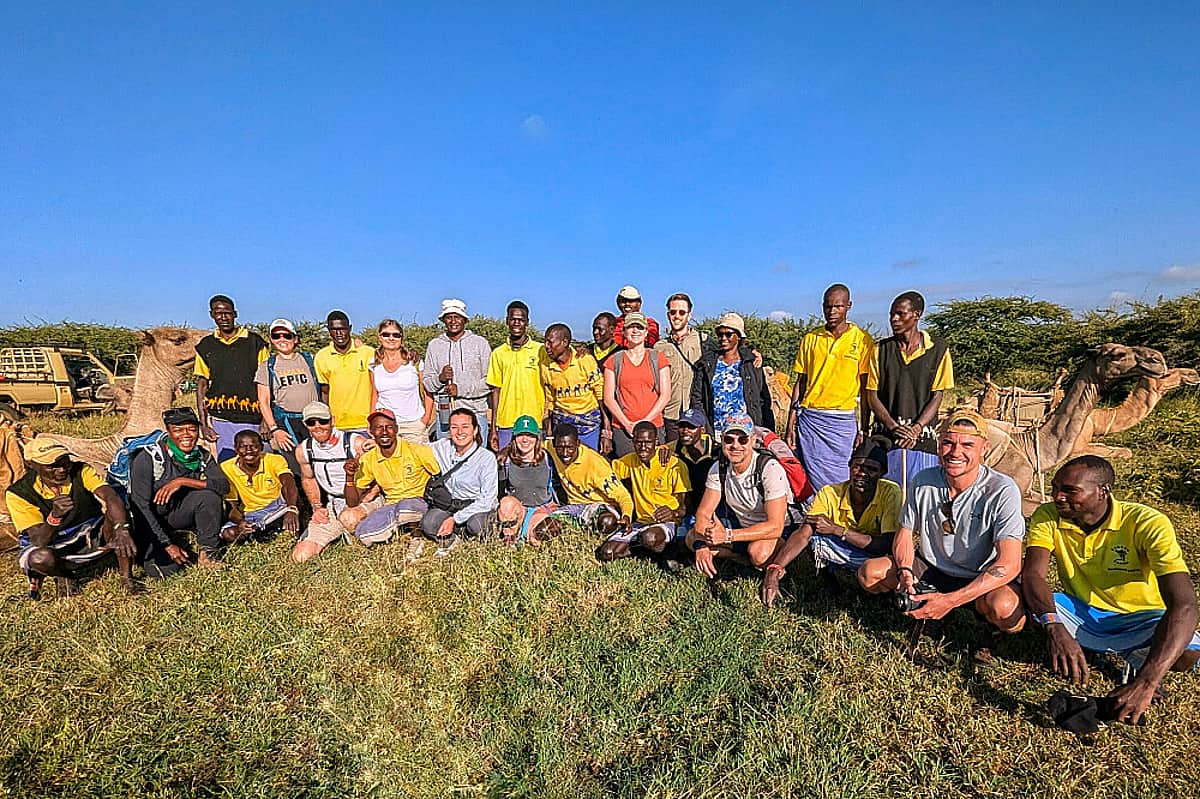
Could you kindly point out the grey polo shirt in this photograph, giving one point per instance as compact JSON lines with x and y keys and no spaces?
{"x":986,"y":513}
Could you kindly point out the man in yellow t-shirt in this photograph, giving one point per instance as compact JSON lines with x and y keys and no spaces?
{"x":400,"y":469}
{"x":831,"y":367}
{"x":1126,"y":587}
{"x":847,"y":523}
{"x":593,"y":495}
{"x":344,"y":372}
{"x":660,"y":489}
{"x":67,"y":519}
{"x":573,"y":386}
{"x":515,"y":377}
{"x":262,"y":490}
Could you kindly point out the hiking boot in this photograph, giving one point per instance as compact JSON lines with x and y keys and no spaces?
{"x":447,"y":545}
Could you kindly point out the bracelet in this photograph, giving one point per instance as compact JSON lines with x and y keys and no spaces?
{"x":904,"y":569}
{"x":843,"y":535}
{"x":121,"y":526}
{"x":728,"y":535}
{"x":775,"y":567}
{"x":53,"y":521}
{"x":1047,"y":618}
{"x":293,"y":509}
{"x":274,"y":430}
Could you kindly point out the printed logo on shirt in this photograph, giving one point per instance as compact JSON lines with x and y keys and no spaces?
{"x":1119,"y":559}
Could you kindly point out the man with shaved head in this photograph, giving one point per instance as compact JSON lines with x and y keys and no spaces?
{"x":1126,"y":587}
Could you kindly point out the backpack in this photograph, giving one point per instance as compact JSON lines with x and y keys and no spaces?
{"x":117,"y":473}
{"x":314,"y":459}
{"x":312,"y":369}
{"x":618,"y":358}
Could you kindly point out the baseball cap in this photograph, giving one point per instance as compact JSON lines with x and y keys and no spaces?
{"x":733,"y":322}
{"x":172,"y":416}
{"x":629,"y":293}
{"x":384,"y":412}
{"x":740,"y":422}
{"x":285,"y":324}
{"x":635,"y":318}
{"x":452,"y":305}
{"x":693,"y":418}
{"x":526,"y":425}
{"x":964,"y":420}
{"x":316,"y":410}
{"x":44,"y":451}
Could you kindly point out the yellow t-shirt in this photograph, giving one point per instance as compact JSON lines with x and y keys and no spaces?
{"x":655,"y":485}
{"x":590,"y":479}
{"x":833,"y":367}
{"x":259,"y":490}
{"x":881,"y":517}
{"x":201,"y":369}
{"x":349,"y":379}
{"x":577,"y":388}
{"x":25,"y":515}
{"x":403,"y":475}
{"x":518,"y":376}
{"x":1114,"y":567}
{"x":943,"y":378}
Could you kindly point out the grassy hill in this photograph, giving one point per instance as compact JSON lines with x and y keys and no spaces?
{"x":541,"y":673}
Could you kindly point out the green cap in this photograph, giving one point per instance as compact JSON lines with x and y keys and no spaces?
{"x":526,"y":425}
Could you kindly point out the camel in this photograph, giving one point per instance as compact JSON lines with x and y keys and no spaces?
{"x":1148,"y":392}
{"x":166,"y":355}
{"x":1025,"y":454}
{"x":781,"y":394}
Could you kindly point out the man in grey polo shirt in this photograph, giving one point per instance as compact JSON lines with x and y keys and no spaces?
{"x":456,"y":364}
{"x":969,"y":528}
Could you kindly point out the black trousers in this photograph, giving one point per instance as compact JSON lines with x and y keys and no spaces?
{"x":202,"y":510}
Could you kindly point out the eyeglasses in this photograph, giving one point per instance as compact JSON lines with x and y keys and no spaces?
{"x":726,"y":333}
{"x":735,"y":438}
{"x":315,"y":422}
{"x":677,"y":313}
{"x":391,"y":335}
{"x":283,"y":335}
{"x":947,"y":509}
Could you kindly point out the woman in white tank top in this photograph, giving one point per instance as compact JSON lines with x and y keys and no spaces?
{"x":396,"y":384}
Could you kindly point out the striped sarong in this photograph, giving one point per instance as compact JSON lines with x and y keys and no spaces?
{"x":825,"y":440}
{"x":588,"y":425}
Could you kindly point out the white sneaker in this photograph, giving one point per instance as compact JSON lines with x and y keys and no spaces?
{"x":416,"y":546}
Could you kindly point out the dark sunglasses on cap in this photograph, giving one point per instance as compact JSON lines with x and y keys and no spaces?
{"x":283,"y":334}
{"x":735,"y":438}
{"x":315,"y":422}
{"x":391,"y":335}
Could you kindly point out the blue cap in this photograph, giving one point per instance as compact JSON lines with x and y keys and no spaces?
{"x":739,"y":422}
{"x":693,"y":418}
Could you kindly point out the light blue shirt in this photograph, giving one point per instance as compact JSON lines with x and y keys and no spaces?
{"x":477,"y":480}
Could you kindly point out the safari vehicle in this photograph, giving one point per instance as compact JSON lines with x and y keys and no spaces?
{"x":64,"y":379}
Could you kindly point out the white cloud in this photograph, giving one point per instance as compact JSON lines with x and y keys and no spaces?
{"x":1181,"y":274}
{"x":779,"y":316}
{"x":534,"y":127}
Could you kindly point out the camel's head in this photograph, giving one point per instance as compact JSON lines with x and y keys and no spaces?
{"x":1176,"y":378}
{"x":170,"y":346}
{"x":1116,"y":361}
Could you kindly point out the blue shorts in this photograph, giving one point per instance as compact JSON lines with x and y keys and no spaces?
{"x":1126,"y":634}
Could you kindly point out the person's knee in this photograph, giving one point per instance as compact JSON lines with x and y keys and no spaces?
{"x":655,"y":538}
{"x":510,"y":509}
{"x":760,"y":552}
{"x":873,"y":575}
{"x":43,"y":561}
{"x":1003,"y":609}
{"x":430,"y":523}
{"x":349,"y":518}
{"x":606,"y":522}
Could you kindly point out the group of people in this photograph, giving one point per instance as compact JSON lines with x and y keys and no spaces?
{"x":659,"y":440}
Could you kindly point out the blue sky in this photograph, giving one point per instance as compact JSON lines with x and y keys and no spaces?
{"x":380,"y":157}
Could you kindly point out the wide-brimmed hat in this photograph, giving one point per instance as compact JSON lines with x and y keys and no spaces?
{"x":733,"y":321}
{"x":629,"y":293}
{"x":454,"y":306}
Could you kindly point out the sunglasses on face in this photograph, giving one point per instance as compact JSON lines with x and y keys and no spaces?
{"x":283,"y":335}
{"x":736,"y":438}
{"x":391,"y":335}
{"x":676,"y":313}
{"x":315,"y":422}
{"x":726,"y":333}
{"x":947,"y":509}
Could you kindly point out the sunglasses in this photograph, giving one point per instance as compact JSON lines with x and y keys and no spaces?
{"x":947,"y":509}
{"x":677,"y":313}
{"x":726,"y":333}
{"x":288,"y":336}
{"x":391,"y":335}
{"x":315,"y":422}
{"x":735,"y":438}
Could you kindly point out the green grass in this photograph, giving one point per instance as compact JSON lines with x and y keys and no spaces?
{"x":541,"y":673}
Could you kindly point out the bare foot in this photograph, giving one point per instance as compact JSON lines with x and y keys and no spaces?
{"x":208,"y":562}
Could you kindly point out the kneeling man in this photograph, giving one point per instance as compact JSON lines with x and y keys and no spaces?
{"x":757,"y":500}
{"x":66,"y":518}
{"x":969,"y":528}
{"x":1126,"y":585}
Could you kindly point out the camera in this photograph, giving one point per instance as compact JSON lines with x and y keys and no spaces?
{"x":907,"y":602}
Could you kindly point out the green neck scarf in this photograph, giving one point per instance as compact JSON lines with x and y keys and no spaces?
{"x":190,"y":461}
